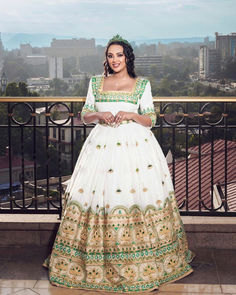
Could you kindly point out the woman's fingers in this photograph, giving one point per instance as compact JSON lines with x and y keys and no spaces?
{"x":119,"y":117}
{"x":109,"y":118}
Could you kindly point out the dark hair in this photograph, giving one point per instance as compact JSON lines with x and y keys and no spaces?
{"x":128,"y":52}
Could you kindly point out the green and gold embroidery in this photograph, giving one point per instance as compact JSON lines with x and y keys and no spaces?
{"x":149,"y":112}
{"x":124,"y":250}
{"x":117,"y":96}
{"x":87,"y":108}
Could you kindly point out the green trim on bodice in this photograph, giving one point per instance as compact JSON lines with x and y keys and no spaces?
{"x":117,"y":96}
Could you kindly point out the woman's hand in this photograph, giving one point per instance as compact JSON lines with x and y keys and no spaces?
{"x":121,"y":116}
{"x":106,"y":117}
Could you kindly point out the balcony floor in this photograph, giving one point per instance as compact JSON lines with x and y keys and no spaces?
{"x":21,"y":273}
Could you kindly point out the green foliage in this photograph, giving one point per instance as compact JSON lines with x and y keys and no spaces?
{"x":198,"y":89}
{"x":58,"y":87}
{"x":179,"y":68}
{"x":80,"y":89}
{"x":18,"y":89}
{"x":154,"y":70}
{"x":17,"y":70}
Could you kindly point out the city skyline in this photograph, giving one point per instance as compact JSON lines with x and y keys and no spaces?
{"x":133,"y":19}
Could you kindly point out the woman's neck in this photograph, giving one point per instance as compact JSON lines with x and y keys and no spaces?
{"x":121,"y":75}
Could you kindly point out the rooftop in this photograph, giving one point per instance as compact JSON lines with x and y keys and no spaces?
{"x":208,"y":162}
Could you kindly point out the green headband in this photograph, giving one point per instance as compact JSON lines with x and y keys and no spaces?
{"x":118,"y":38}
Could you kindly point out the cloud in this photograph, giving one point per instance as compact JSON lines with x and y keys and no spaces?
{"x":101,"y":18}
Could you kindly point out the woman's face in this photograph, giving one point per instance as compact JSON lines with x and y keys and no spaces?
{"x":116,"y":58}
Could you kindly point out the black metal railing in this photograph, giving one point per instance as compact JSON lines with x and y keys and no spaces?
{"x":41,"y":138}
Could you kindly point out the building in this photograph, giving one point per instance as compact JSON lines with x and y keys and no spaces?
{"x":1,"y":54}
{"x":66,"y":136}
{"x":25,"y":49}
{"x":208,"y":162}
{"x":55,"y":67}
{"x":76,"y":79}
{"x":16,"y":174}
{"x":38,"y":84}
{"x":36,"y":60}
{"x":145,"y":62}
{"x":67,"y":48}
{"x":226,"y":45}
{"x":209,"y":62}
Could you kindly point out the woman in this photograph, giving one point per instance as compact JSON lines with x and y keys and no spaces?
{"x":121,"y":230}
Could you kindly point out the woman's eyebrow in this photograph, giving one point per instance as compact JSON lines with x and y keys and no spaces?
{"x":115,"y":53}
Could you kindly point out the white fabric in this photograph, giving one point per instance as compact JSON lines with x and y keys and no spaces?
{"x":114,"y":107}
{"x":121,"y":165}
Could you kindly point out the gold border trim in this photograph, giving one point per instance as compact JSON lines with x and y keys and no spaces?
{"x":117,"y":91}
{"x":82,"y":99}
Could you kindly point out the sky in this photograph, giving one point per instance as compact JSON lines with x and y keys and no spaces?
{"x":132,"y":19}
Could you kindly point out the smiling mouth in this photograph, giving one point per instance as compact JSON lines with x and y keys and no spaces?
{"x":115,"y":65}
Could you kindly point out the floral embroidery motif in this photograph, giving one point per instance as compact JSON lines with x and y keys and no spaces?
{"x":149,"y":112}
{"x":125,"y":250}
{"x":87,"y":108}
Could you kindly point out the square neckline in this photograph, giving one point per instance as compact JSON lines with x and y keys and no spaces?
{"x":118,"y":91}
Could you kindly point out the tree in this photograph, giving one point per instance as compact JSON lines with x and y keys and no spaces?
{"x":12,"y":89}
{"x":58,"y":87}
{"x":18,"y":89}
{"x":155,"y":72}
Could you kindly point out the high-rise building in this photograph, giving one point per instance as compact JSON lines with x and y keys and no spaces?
{"x":209,"y":62}
{"x":26,"y":49}
{"x":67,"y":48}
{"x":226,"y":45}
{"x":55,"y":67}
{"x":145,"y":63}
{"x":1,"y":53}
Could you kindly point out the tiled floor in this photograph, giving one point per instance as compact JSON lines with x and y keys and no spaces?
{"x":21,"y":273}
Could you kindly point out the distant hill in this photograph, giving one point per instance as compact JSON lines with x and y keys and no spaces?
{"x":12,"y":41}
{"x":139,"y":41}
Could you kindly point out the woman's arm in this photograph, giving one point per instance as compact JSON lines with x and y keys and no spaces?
{"x":144,"y":120}
{"x":89,"y":113}
{"x":92,"y":117}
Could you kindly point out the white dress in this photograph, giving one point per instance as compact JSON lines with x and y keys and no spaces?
{"x":121,"y":230}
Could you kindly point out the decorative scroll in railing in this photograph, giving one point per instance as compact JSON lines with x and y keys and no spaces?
{"x":41,"y":137}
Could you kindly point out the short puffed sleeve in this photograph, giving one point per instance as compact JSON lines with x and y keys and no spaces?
{"x":146,"y":104}
{"x":89,"y":105}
